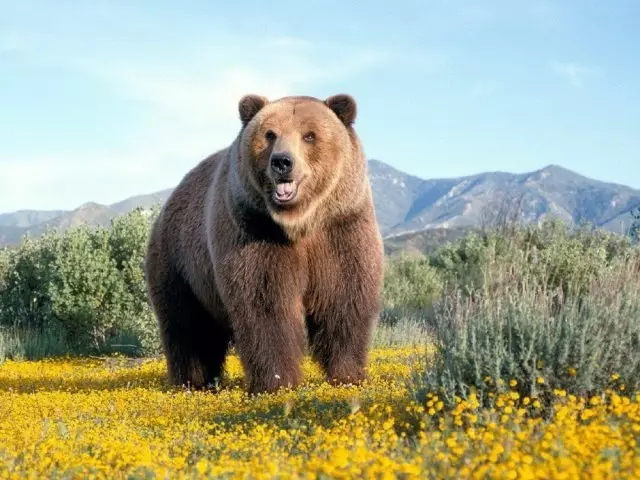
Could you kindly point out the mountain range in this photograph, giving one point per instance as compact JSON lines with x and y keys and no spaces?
{"x":406,"y":204}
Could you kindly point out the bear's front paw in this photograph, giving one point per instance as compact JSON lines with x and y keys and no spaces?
{"x":272,"y":383}
{"x":352,"y":376}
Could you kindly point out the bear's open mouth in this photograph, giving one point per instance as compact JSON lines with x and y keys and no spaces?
{"x":285,"y":192}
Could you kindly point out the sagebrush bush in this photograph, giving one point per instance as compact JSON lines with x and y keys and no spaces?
{"x":553,"y":253}
{"x":404,"y":330}
{"x":521,"y":330}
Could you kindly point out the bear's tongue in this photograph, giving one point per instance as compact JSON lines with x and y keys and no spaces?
{"x":284,"y":189}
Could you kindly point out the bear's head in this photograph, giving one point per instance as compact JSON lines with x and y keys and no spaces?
{"x":297,"y":151}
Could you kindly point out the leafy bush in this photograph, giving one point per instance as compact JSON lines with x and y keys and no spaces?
{"x":461,"y":263}
{"x":25,"y":302}
{"x":4,"y":268}
{"x":521,"y":331}
{"x":410,"y":282}
{"x":554,"y":254}
{"x":128,"y":244}
{"x":7,"y":346}
{"x":85,"y":286}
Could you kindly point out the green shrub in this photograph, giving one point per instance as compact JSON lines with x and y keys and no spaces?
{"x":410,"y":283}
{"x":88,"y":289}
{"x":406,"y":330}
{"x":8,"y":347}
{"x":85,"y":286}
{"x":4,"y":268}
{"x":25,"y":300}
{"x":461,"y":263}
{"x":557,"y":256}
{"x":522,"y":327}
{"x":128,"y":245}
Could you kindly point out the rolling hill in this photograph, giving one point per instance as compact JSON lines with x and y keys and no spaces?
{"x":28,"y":218}
{"x":406,"y":204}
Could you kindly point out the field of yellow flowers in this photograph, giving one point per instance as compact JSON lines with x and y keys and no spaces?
{"x":117,"y":418}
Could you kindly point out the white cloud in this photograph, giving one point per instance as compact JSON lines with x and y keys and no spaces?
{"x":576,"y":74}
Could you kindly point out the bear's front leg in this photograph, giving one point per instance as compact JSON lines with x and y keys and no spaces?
{"x":340,"y":337}
{"x":345,"y":302}
{"x":261,"y":287}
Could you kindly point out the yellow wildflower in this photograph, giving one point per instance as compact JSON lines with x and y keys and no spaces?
{"x":120,"y":419}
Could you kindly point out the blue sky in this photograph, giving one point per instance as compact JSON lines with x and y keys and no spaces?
{"x":102,"y":100}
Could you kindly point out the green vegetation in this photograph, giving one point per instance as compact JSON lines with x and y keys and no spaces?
{"x":533,"y":308}
{"x":503,"y":307}
{"x":634,"y":231}
{"x":561,"y":317}
{"x":410,"y":283}
{"x":78,"y":292}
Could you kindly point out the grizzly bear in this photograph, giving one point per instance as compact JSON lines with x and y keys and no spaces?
{"x":271,"y":245}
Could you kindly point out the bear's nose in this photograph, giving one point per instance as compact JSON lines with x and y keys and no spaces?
{"x":281,"y":163}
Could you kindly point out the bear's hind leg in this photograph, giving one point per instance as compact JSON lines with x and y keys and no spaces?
{"x":195,"y":345}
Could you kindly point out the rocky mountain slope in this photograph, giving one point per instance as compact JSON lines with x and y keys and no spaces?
{"x":405,"y":203}
{"x":470,"y":201}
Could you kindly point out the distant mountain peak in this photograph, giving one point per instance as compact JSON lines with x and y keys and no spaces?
{"x":89,"y":206}
{"x":555,"y":168}
{"x":406,"y":203}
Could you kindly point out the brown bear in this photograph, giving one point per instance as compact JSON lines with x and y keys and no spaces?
{"x":268,"y":244}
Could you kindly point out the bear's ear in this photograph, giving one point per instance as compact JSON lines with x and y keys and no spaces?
{"x":344,"y":106}
{"x":250,"y":105}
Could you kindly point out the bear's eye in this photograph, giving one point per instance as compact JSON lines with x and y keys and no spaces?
{"x":270,"y":135}
{"x":310,"y":137}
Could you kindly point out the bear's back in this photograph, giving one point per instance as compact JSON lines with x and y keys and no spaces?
{"x":180,"y":232}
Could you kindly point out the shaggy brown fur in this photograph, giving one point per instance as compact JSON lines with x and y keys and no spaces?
{"x":230,"y":261}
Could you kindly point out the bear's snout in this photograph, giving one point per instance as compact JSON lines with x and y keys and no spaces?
{"x":282,"y":165}
{"x":283,"y":175}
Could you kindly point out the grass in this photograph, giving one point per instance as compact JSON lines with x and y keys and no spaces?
{"x":30,"y":345}
{"x":405,"y":329}
{"x":399,"y":328}
{"x":118,"y":418}
{"x":34,"y":344}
